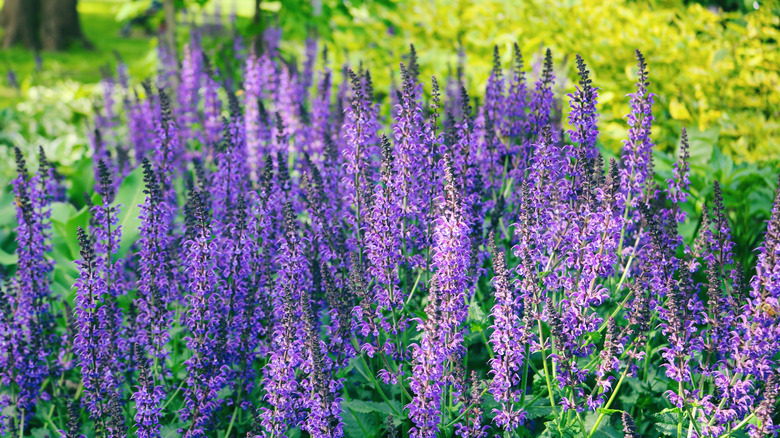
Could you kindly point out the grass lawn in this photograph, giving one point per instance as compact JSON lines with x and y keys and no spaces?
{"x":98,"y":21}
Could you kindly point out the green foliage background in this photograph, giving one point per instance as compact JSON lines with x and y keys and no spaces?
{"x":712,"y":71}
{"x":715,"y":72}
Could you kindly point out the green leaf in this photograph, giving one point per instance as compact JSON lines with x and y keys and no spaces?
{"x":477,"y":317}
{"x":61,"y":211}
{"x":551,"y":430}
{"x":367,"y":407}
{"x":666,"y":422}
{"x":7,"y":259}
{"x":129,"y":196}
{"x":352,"y":428}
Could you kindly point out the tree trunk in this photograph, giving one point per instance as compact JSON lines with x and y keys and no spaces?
{"x":169,"y":8}
{"x":258,"y":13}
{"x":41,"y":24}
{"x":20,"y":20}
{"x":60,"y":25}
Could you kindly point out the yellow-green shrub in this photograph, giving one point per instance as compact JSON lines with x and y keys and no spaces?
{"x":710,"y":70}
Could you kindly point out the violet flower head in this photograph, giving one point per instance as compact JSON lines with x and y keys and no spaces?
{"x":31,"y":321}
{"x":506,"y":366}
{"x":383,"y":245}
{"x":443,"y":331}
{"x":282,"y":385}
{"x":583,"y":117}
{"x":629,"y":427}
{"x":411,"y":180}
{"x":542,"y":99}
{"x":155,"y":284}
{"x":148,"y":399}
{"x":205,"y":376}
{"x":471,"y":425}
{"x":516,"y":124}
{"x":74,"y":423}
{"x":321,"y":389}
{"x":92,"y":341}
{"x":637,"y":150}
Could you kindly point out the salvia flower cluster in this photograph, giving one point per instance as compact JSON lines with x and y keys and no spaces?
{"x":311,"y":259}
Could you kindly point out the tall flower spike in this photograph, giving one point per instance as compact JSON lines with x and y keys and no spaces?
{"x":509,"y":352}
{"x":148,"y":399}
{"x":411,"y":181}
{"x":629,"y":427}
{"x":92,"y":339}
{"x":282,"y":385}
{"x":583,"y":119}
{"x":443,"y":332}
{"x":383,"y":243}
{"x":542,"y":100}
{"x":155,"y":284}
{"x":637,"y":150}
{"x":493,"y":114}
{"x":30,"y":319}
{"x":205,"y":376}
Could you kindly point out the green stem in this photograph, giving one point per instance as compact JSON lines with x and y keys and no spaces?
{"x":546,"y":371}
{"x":172,"y":396}
{"x":609,"y":403}
{"x":357,"y":419}
{"x":487,"y":344}
{"x":524,"y":382}
{"x":466,"y":411}
{"x":371,"y":377}
{"x":233,"y":417}
{"x":21,"y":427}
{"x":740,"y":425}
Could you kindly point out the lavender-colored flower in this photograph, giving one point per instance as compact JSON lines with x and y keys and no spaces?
{"x":629,"y":427}
{"x":320,"y":400}
{"x":282,"y":386}
{"x":212,"y":106}
{"x":493,"y":114}
{"x":155,"y":284}
{"x":542,"y":99}
{"x":637,"y":156}
{"x":471,"y":425}
{"x":74,"y":423}
{"x":205,"y":374}
{"x":357,"y":134}
{"x":252,"y":120}
{"x":187,"y":92}
{"x":412,"y":179}
{"x":30,"y":324}
{"x":509,"y":352}
{"x":383,"y":251}
{"x":148,"y":399}
{"x":93,"y":339}
{"x":583,"y":116}
{"x":443,"y":330}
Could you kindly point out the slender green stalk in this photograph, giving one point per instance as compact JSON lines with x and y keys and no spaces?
{"x":609,"y":403}
{"x":524,"y":381}
{"x":546,"y":371}
{"x":371,"y":377}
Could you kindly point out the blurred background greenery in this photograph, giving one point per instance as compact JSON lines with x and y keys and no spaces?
{"x":714,"y":65}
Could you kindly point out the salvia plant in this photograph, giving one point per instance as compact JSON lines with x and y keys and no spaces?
{"x":310,"y":261}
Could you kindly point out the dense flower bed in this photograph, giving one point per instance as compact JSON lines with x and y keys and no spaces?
{"x":301,"y":264}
